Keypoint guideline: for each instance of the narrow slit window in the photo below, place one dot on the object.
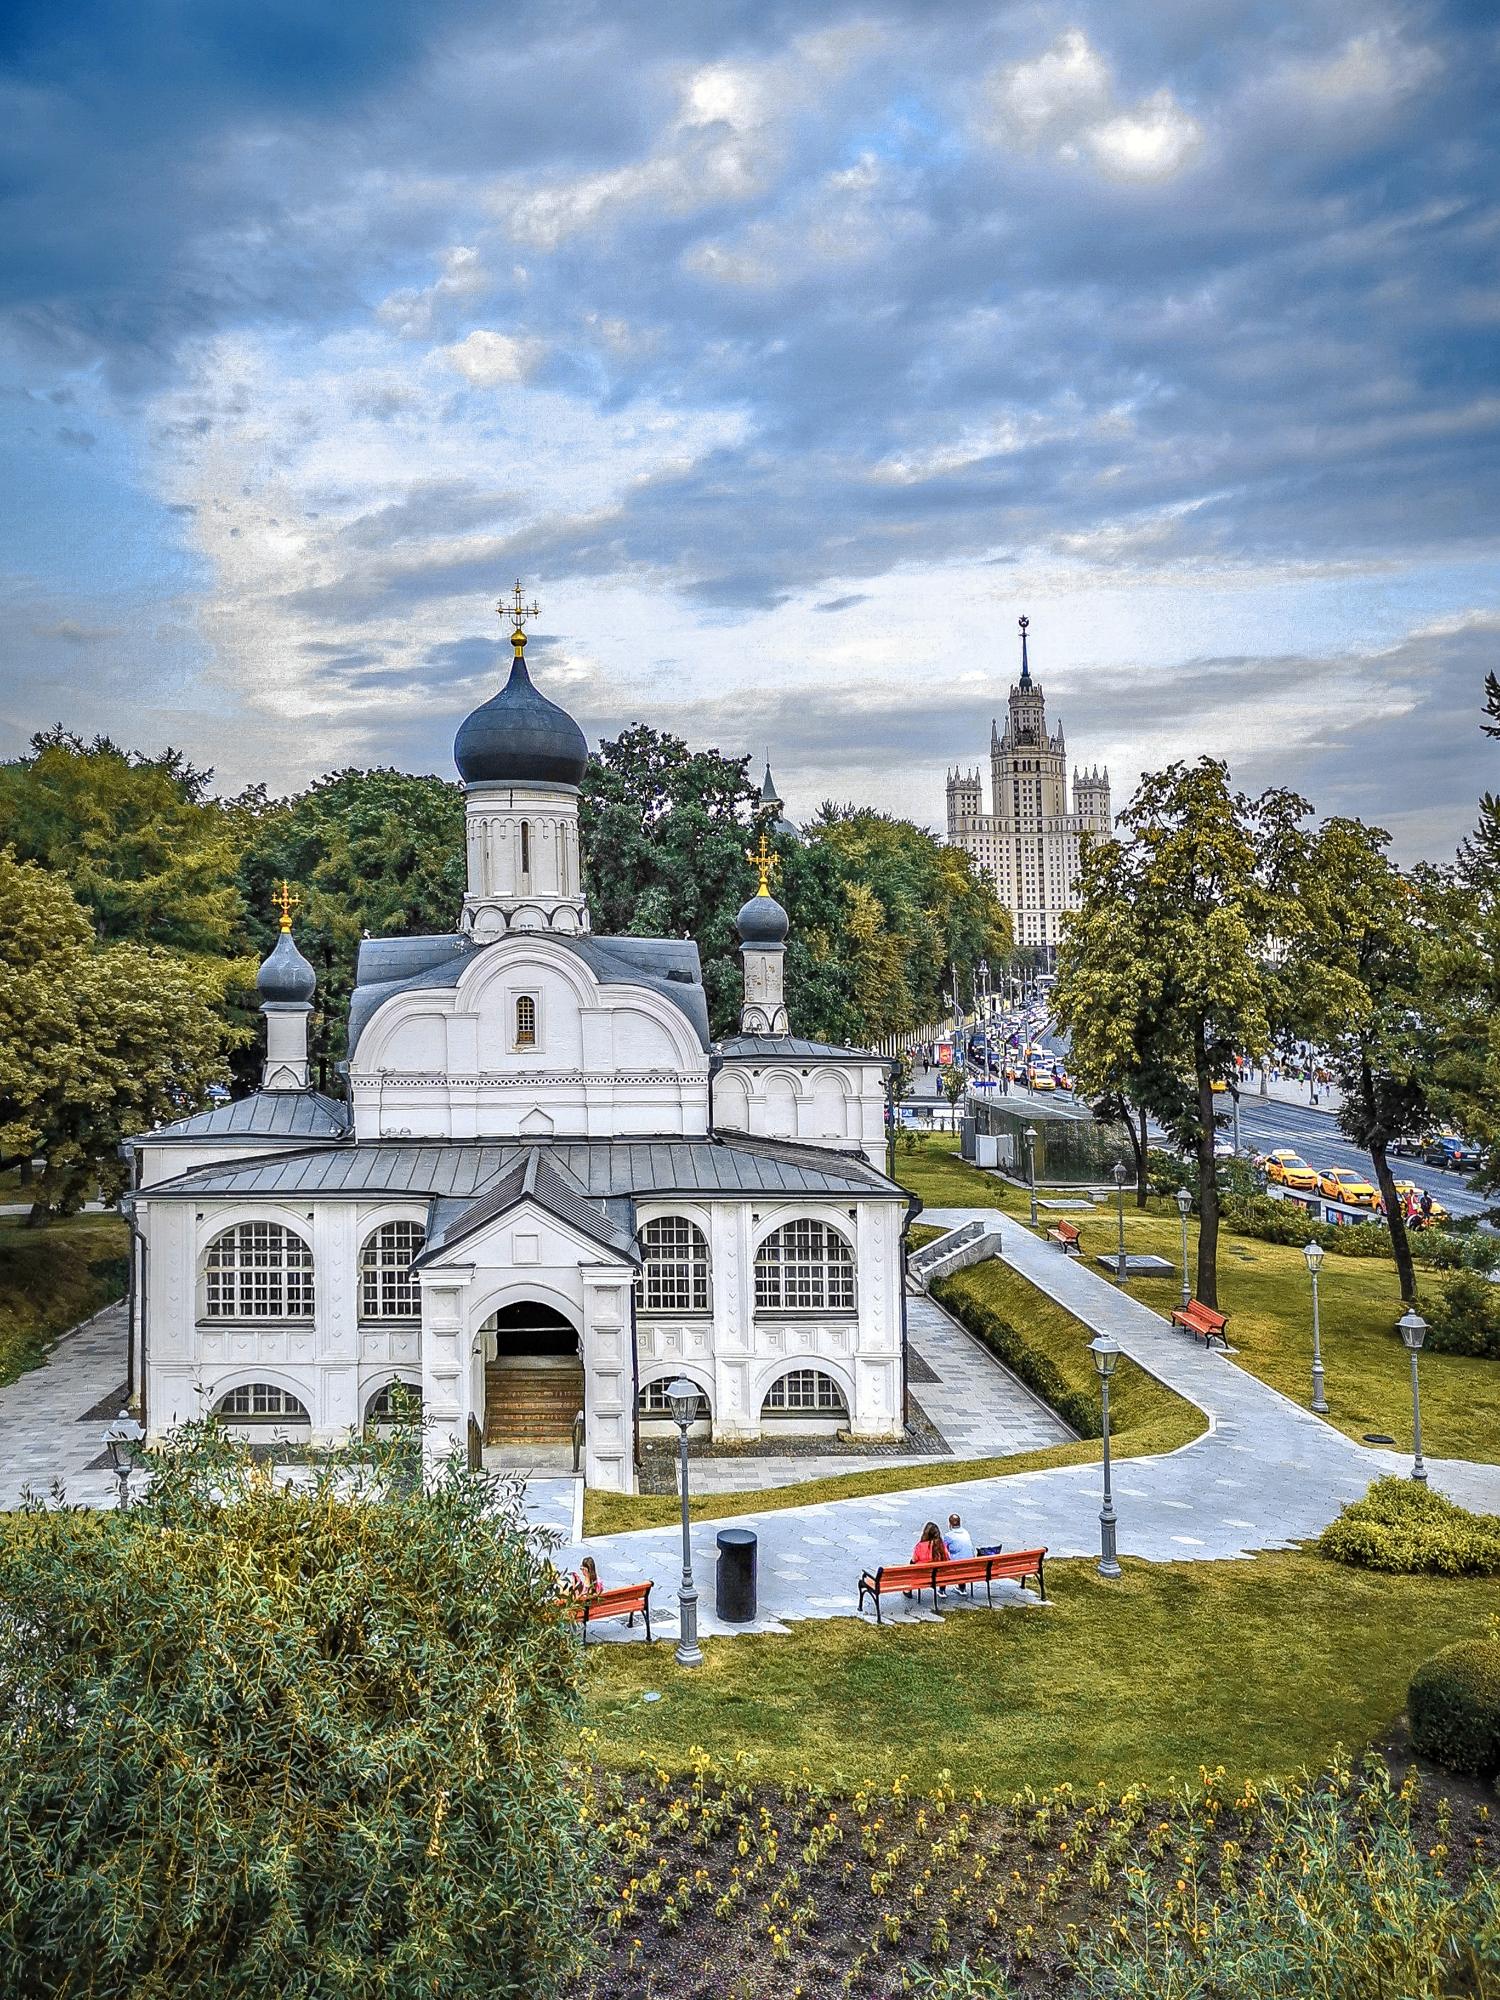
(526, 847)
(526, 1022)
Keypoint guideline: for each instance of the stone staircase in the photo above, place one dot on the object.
(531, 1403)
(969, 1244)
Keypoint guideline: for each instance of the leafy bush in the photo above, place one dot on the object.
(1453, 1706)
(1465, 1317)
(1408, 1530)
(1037, 1370)
(260, 1740)
(1272, 1221)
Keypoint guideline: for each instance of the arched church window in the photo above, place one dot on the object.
(388, 1288)
(261, 1402)
(805, 1392)
(653, 1401)
(526, 847)
(258, 1270)
(395, 1403)
(804, 1267)
(674, 1267)
(526, 1022)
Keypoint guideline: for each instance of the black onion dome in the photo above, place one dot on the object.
(762, 921)
(286, 977)
(520, 737)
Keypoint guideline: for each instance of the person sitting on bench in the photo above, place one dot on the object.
(586, 1578)
(930, 1548)
(959, 1543)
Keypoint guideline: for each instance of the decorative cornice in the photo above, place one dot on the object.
(523, 1080)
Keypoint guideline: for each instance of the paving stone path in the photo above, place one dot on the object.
(1265, 1475)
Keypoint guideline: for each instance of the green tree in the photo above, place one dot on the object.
(260, 1740)
(148, 854)
(1358, 968)
(95, 1044)
(370, 853)
(664, 832)
(1167, 967)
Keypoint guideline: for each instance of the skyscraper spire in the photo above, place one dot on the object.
(1025, 664)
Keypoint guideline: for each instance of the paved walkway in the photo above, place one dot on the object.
(1265, 1475)
(46, 1437)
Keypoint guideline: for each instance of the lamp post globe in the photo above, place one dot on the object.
(1106, 1351)
(1031, 1137)
(1184, 1203)
(1121, 1174)
(683, 1398)
(1413, 1330)
(123, 1441)
(1313, 1252)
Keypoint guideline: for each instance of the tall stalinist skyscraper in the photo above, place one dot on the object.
(1029, 843)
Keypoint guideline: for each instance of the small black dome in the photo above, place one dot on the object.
(286, 976)
(518, 736)
(762, 921)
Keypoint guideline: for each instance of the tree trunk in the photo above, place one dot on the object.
(1395, 1222)
(38, 1215)
(1206, 1290)
(1142, 1183)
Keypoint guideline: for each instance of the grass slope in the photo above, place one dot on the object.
(1144, 1417)
(51, 1278)
(1261, 1666)
(1265, 1289)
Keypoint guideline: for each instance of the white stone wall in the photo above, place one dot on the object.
(524, 871)
(608, 1061)
(840, 1105)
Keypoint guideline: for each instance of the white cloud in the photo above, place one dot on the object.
(488, 359)
(1150, 143)
(1064, 101)
(412, 313)
(1377, 65)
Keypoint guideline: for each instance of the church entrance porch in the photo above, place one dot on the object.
(533, 1376)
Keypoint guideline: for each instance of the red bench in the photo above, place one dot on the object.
(1021, 1566)
(1203, 1321)
(1065, 1236)
(624, 1601)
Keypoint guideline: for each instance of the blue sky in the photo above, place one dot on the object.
(789, 353)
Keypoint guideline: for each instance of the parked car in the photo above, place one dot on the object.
(1285, 1168)
(1344, 1184)
(1450, 1151)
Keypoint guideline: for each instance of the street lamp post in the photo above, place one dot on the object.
(121, 1441)
(1120, 1177)
(1106, 1352)
(1313, 1252)
(1031, 1168)
(1184, 1206)
(683, 1397)
(1413, 1330)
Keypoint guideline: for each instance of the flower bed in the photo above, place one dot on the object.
(718, 1890)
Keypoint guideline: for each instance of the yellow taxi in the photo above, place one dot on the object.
(1042, 1079)
(1286, 1168)
(1344, 1184)
(1408, 1192)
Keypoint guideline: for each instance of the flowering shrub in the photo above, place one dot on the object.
(1407, 1529)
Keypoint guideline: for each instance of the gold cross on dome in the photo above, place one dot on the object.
(765, 859)
(518, 611)
(285, 900)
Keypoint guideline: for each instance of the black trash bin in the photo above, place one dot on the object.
(734, 1591)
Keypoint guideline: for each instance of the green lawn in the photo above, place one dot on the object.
(51, 1278)
(1265, 1289)
(1261, 1666)
(1145, 1417)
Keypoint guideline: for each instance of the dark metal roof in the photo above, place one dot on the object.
(519, 737)
(269, 1114)
(535, 1176)
(602, 1169)
(791, 1048)
(669, 966)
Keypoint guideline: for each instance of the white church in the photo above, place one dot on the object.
(547, 1193)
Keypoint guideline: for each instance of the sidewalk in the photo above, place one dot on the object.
(1267, 1474)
